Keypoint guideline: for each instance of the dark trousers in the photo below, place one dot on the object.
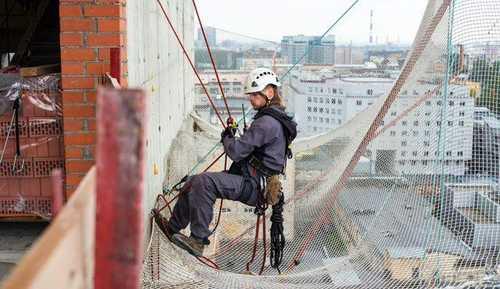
(195, 204)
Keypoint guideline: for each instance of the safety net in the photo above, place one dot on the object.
(404, 194)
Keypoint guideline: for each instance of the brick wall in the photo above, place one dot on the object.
(89, 29)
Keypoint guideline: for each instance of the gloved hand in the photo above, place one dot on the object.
(231, 128)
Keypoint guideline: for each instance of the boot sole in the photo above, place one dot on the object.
(183, 245)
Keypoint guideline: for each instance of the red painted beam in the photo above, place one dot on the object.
(119, 188)
(57, 192)
(115, 63)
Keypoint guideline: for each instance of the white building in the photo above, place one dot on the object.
(412, 144)
(321, 104)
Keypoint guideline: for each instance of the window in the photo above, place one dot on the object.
(415, 133)
(439, 102)
(403, 153)
(339, 101)
(315, 109)
(427, 133)
(321, 90)
(451, 103)
(427, 103)
(394, 113)
(339, 111)
(450, 123)
(339, 121)
(427, 113)
(448, 153)
(321, 119)
(309, 109)
(316, 89)
(393, 133)
(413, 163)
(438, 123)
(320, 100)
(426, 143)
(424, 162)
(428, 123)
(402, 163)
(309, 99)
(327, 120)
(404, 133)
(334, 90)
(460, 153)
(415, 123)
(359, 102)
(462, 103)
(310, 89)
(329, 90)
(225, 210)
(462, 113)
(404, 143)
(315, 119)
(369, 92)
(333, 100)
(315, 99)
(327, 100)
(327, 110)
(309, 118)
(321, 110)
(415, 153)
(426, 154)
(461, 123)
(333, 111)
(404, 123)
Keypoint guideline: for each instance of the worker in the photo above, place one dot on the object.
(259, 155)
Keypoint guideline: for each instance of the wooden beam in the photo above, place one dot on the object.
(62, 256)
(39, 70)
(120, 186)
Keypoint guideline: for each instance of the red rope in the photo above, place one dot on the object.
(191, 63)
(211, 57)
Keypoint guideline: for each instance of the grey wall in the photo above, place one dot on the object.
(156, 63)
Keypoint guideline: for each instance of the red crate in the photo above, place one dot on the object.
(42, 167)
(25, 206)
(21, 168)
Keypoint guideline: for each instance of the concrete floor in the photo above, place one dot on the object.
(15, 240)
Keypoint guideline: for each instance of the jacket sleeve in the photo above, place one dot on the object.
(256, 136)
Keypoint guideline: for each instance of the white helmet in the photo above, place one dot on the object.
(259, 78)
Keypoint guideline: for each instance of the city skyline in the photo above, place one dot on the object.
(355, 26)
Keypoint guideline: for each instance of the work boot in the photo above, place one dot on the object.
(162, 223)
(192, 245)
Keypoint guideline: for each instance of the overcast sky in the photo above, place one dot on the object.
(271, 19)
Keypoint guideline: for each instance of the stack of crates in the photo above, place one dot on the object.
(25, 182)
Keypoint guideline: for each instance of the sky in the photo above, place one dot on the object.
(271, 19)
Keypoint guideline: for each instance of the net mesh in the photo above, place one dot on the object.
(405, 194)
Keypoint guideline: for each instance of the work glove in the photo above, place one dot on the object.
(231, 128)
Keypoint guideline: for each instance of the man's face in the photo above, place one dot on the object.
(257, 100)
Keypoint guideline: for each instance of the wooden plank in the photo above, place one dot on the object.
(120, 185)
(62, 257)
(39, 70)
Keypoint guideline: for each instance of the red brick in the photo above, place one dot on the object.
(97, 68)
(80, 138)
(74, 180)
(110, 25)
(79, 110)
(73, 97)
(77, 24)
(78, 166)
(78, 82)
(70, 10)
(91, 96)
(72, 68)
(104, 39)
(73, 124)
(104, 10)
(79, 54)
(73, 153)
(71, 39)
(103, 54)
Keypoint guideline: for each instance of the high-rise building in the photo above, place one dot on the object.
(319, 51)
(211, 33)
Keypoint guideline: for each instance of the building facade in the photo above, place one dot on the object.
(319, 51)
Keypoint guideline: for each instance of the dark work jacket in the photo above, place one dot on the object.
(266, 139)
